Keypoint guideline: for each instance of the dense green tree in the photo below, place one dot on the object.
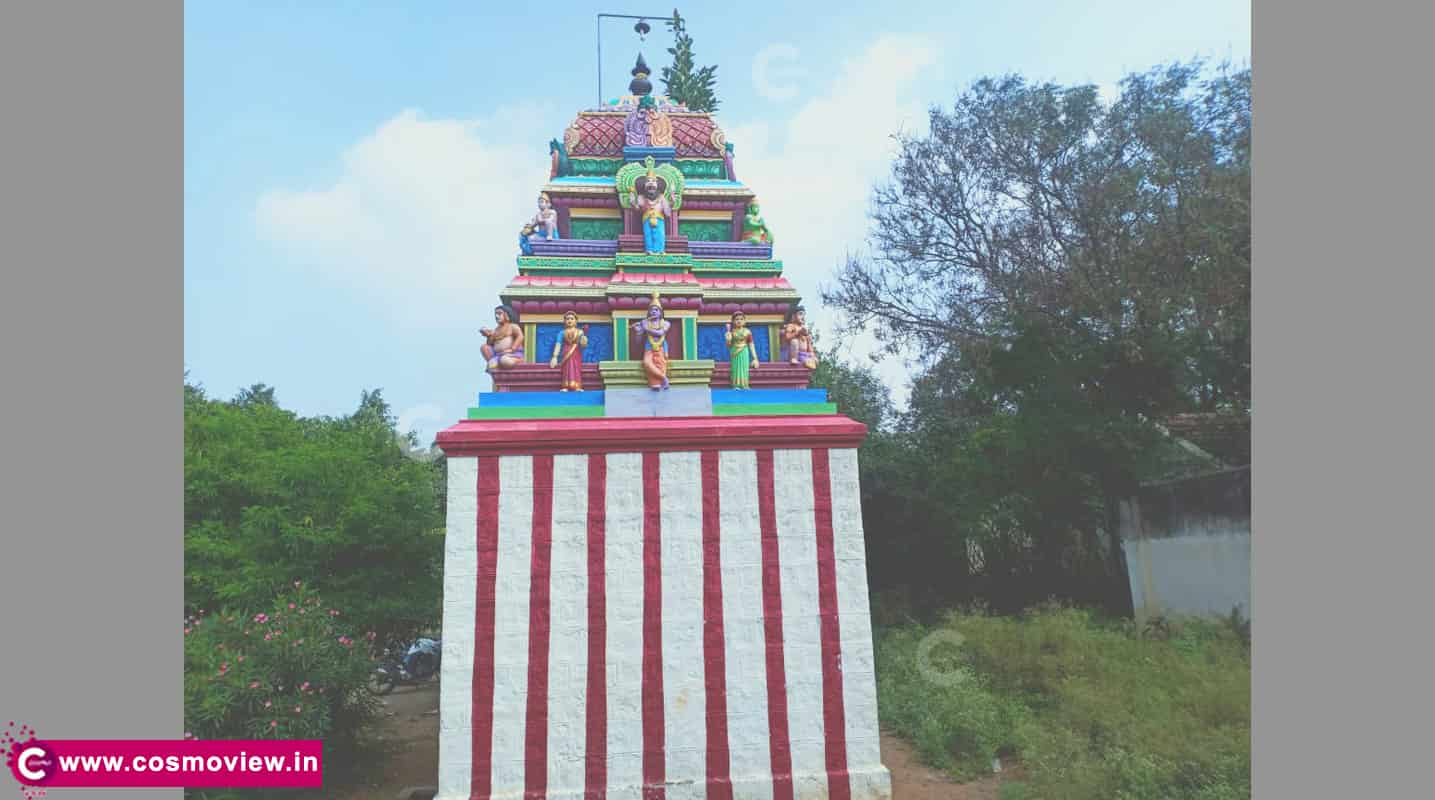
(271, 498)
(1114, 236)
(683, 80)
(256, 394)
(858, 392)
(1067, 272)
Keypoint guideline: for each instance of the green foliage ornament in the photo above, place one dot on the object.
(670, 176)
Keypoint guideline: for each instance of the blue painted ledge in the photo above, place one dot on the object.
(536, 399)
(743, 396)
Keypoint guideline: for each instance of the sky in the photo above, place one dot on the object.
(355, 173)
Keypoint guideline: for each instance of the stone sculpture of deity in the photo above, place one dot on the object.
(742, 353)
(544, 225)
(654, 209)
(754, 228)
(797, 340)
(503, 347)
(545, 222)
(654, 330)
(568, 352)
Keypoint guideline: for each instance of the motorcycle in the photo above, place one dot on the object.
(418, 663)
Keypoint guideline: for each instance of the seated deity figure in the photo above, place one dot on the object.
(504, 345)
(654, 330)
(568, 352)
(544, 225)
(797, 340)
(754, 227)
(742, 353)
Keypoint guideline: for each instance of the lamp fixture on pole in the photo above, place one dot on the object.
(642, 28)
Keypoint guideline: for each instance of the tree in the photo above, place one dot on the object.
(858, 392)
(256, 394)
(1067, 271)
(1119, 234)
(683, 81)
(271, 498)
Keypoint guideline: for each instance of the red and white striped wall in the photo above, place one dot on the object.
(674, 623)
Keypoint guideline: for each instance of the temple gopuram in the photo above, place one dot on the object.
(601, 251)
(655, 578)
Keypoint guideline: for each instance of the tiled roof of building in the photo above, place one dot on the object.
(1225, 435)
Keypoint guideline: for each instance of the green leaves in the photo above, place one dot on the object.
(271, 497)
(1090, 710)
(683, 81)
(1067, 272)
(295, 669)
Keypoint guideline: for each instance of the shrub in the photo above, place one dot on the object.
(269, 495)
(1091, 709)
(292, 671)
(958, 725)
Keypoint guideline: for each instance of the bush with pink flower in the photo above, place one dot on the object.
(276, 674)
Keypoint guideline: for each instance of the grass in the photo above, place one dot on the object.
(1091, 709)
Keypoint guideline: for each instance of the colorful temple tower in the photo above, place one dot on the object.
(655, 578)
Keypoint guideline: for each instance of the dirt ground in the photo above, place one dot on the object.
(409, 732)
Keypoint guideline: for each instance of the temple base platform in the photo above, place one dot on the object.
(657, 608)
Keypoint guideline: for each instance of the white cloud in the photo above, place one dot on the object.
(425, 212)
(766, 80)
(815, 171)
(410, 418)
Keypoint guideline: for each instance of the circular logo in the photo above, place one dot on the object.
(34, 763)
(940, 675)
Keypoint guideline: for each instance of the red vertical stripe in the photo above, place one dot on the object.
(487, 579)
(596, 746)
(714, 661)
(535, 745)
(653, 735)
(778, 739)
(834, 723)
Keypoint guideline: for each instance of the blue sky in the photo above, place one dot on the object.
(355, 173)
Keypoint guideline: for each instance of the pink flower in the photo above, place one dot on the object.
(291, 606)
(301, 611)
(254, 684)
(268, 636)
(261, 618)
(273, 723)
(297, 709)
(186, 631)
(188, 735)
(304, 685)
(268, 703)
(372, 635)
(241, 659)
(333, 612)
